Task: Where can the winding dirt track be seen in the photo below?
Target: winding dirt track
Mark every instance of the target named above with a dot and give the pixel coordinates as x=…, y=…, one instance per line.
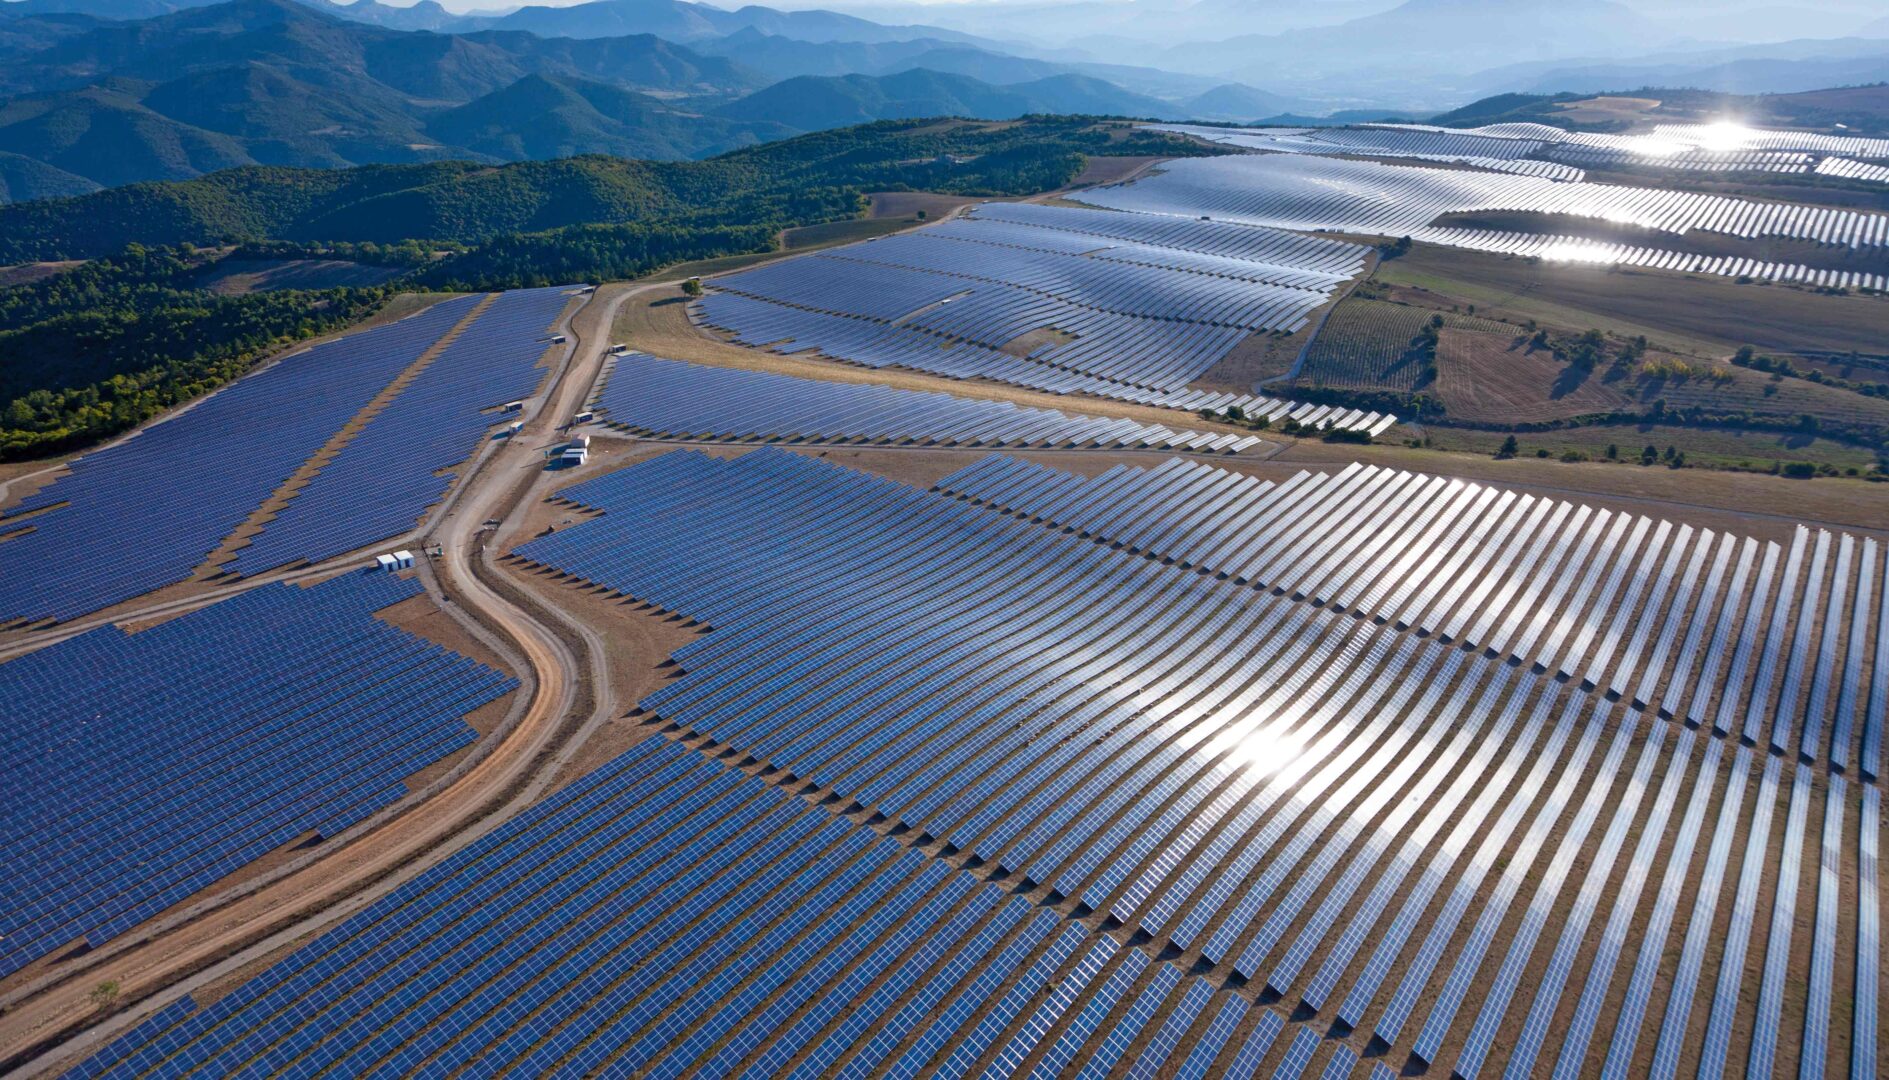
x=44, y=1026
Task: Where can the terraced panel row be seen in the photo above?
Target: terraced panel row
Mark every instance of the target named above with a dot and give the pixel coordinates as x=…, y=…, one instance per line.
x=145, y=766
x=153, y=510
x=395, y=468
x=1614, y=601
x=1134, y=309
x=676, y=400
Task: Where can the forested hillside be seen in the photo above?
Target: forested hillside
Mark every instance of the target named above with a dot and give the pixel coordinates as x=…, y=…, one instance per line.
x=800, y=181
x=99, y=348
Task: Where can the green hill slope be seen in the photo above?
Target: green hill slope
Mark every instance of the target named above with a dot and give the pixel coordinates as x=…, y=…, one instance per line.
x=811, y=178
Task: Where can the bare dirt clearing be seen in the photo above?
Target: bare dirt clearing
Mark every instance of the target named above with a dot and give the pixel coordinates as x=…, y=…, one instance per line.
x=1486, y=378
x=234, y=277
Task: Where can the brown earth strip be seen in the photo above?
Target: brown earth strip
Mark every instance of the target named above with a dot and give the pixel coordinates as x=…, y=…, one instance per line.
x=300, y=478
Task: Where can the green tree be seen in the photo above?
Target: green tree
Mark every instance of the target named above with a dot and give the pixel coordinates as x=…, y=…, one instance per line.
x=692, y=287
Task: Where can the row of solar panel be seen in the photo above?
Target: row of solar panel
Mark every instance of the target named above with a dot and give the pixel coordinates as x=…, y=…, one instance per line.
x=183, y=486
x=393, y=470
x=188, y=749
x=1311, y=193
x=1270, y=189
x=1204, y=771
x=1421, y=144
x=1113, y=287
x=675, y=400
x=668, y=916
x=873, y=344
x=1591, y=594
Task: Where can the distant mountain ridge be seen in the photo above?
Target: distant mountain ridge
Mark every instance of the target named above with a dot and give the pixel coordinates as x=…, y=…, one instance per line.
x=813, y=102
x=278, y=82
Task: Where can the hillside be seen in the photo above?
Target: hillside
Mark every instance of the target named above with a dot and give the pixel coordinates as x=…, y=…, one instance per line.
x=1427, y=37
x=280, y=83
x=540, y=117
x=798, y=181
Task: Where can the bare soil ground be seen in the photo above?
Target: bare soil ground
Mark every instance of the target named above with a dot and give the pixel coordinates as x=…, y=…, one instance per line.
x=1111, y=170
x=907, y=204
x=1259, y=357
x=1486, y=378
x=1704, y=316
x=1026, y=343
x=638, y=641
x=1607, y=107
x=27, y=273
x=232, y=277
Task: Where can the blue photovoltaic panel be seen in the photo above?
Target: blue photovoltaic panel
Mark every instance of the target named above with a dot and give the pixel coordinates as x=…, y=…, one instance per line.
x=394, y=468
x=640, y=916
x=146, y=766
x=147, y=511
x=675, y=400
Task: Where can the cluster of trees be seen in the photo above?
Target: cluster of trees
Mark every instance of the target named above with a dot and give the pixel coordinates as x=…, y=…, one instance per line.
x=1781, y=367
x=590, y=253
x=408, y=253
x=1422, y=351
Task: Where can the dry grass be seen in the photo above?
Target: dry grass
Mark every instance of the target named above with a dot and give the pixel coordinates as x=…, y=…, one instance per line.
x=1486, y=378
x=231, y=277
x=27, y=273
x=1705, y=316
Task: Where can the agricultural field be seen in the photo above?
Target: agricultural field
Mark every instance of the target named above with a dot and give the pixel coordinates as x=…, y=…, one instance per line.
x=1377, y=344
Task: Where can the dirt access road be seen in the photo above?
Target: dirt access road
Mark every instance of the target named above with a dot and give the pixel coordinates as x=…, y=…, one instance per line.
x=45, y=1026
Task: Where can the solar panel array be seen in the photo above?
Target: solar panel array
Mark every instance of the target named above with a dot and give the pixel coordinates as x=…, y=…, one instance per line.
x=1498, y=154
x=1532, y=149
x=1134, y=311
x=396, y=467
x=1311, y=193
x=151, y=510
x=670, y=399
x=1592, y=595
x=145, y=766
x=1420, y=841
x=667, y=916
x=147, y=512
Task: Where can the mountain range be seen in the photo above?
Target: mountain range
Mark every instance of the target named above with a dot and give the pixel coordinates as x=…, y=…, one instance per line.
x=279, y=82
x=108, y=92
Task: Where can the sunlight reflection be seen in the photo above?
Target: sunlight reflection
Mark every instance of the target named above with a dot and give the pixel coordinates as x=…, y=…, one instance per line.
x=1725, y=135
x=1269, y=751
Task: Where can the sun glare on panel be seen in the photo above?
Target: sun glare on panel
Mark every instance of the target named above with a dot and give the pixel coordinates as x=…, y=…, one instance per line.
x=1270, y=751
x=1724, y=135
x=1570, y=251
